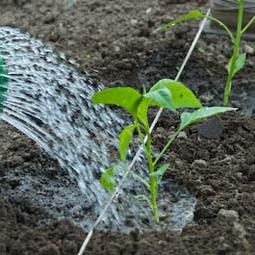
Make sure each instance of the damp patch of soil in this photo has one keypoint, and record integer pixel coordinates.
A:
(114, 42)
(219, 172)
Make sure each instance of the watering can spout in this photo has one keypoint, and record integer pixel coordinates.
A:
(3, 82)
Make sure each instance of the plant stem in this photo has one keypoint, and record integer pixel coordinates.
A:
(217, 21)
(152, 164)
(235, 52)
(153, 185)
(153, 180)
(248, 25)
(172, 138)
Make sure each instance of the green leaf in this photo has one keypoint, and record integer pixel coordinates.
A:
(124, 140)
(188, 118)
(142, 112)
(160, 172)
(107, 179)
(194, 14)
(161, 97)
(182, 96)
(239, 64)
(125, 97)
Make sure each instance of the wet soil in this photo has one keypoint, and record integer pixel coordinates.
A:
(114, 41)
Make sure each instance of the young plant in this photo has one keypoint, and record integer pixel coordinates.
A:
(167, 94)
(237, 60)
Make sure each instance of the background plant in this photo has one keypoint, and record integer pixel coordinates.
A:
(167, 94)
(237, 60)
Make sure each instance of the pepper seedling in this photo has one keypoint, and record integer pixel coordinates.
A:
(237, 60)
(167, 94)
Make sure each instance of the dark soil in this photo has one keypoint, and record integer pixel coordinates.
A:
(113, 40)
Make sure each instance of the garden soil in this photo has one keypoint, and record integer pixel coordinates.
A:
(115, 42)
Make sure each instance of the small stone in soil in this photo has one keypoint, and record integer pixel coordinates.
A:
(251, 174)
(230, 216)
(248, 49)
(183, 135)
(199, 163)
(211, 129)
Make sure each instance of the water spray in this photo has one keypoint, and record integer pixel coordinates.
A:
(48, 100)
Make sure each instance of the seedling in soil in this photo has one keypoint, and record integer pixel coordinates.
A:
(166, 94)
(237, 60)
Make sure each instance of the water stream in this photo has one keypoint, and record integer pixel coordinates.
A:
(49, 101)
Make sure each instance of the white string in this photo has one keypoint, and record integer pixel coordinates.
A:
(119, 187)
